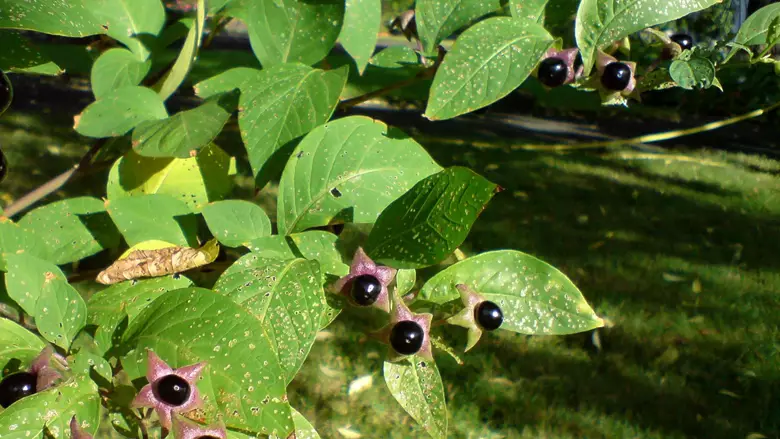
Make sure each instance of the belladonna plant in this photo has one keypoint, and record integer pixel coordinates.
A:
(477, 315)
(614, 75)
(186, 429)
(557, 67)
(169, 390)
(40, 376)
(408, 333)
(366, 284)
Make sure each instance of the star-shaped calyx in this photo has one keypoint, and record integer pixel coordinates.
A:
(366, 284)
(43, 373)
(169, 390)
(616, 76)
(557, 67)
(186, 429)
(477, 315)
(407, 333)
(76, 432)
(41, 367)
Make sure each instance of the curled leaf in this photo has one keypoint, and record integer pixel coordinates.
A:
(141, 261)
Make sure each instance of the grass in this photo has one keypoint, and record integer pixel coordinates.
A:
(678, 252)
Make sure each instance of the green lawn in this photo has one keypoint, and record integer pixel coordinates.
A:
(677, 251)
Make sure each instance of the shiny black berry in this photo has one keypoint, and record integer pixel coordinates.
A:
(15, 387)
(683, 40)
(365, 289)
(489, 315)
(616, 76)
(553, 72)
(172, 390)
(406, 337)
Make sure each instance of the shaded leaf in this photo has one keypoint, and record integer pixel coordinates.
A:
(755, 29)
(348, 170)
(154, 216)
(285, 103)
(487, 62)
(236, 222)
(416, 384)
(127, 20)
(119, 111)
(117, 68)
(17, 343)
(25, 278)
(601, 23)
(139, 263)
(19, 55)
(438, 19)
(72, 229)
(60, 312)
(243, 377)
(360, 29)
(534, 296)
(431, 220)
(692, 71)
(56, 17)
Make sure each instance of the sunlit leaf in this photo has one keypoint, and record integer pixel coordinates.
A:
(155, 216)
(60, 312)
(117, 68)
(17, 343)
(416, 385)
(236, 222)
(25, 278)
(360, 29)
(119, 111)
(56, 17)
(189, 53)
(438, 19)
(127, 21)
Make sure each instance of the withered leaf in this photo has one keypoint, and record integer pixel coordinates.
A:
(140, 261)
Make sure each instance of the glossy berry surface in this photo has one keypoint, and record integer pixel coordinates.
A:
(553, 72)
(684, 40)
(489, 315)
(406, 337)
(15, 387)
(172, 390)
(365, 289)
(616, 76)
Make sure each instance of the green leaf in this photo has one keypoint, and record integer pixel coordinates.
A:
(107, 308)
(405, 281)
(14, 239)
(303, 428)
(189, 53)
(83, 362)
(600, 23)
(236, 222)
(283, 31)
(755, 29)
(534, 296)
(237, 78)
(287, 102)
(60, 312)
(17, 343)
(186, 132)
(487, 62)
(438, 19)
(72, 229)
(195, 181)
(154, 216)
(348, 170)
(193, 324)
(416, 384)
(692, 71)
(431, 220)
(56, 17)
(360, 29)
(117, 68)
(19, 55)
(395, 57)
(52, 410)
(120, 110)
(288, 300)
(528, 9)
(126, 20)
(25, 278)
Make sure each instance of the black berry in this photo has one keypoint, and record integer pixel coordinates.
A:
(406, 337)
(489, 315)
(616, 76)
(365, 289)
(15, 387)
(553, 72)
(683, 40)
(172, 390)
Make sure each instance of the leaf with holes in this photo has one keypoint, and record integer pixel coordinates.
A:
(119, 111)
(287, 102)
(60, 312)
(117, 68)
(348, 170)
(487, 62)
(17, 344)
(236, 222)
(313, 244)
(600, 23)
(692, 71)
(195, 181)
(288, 300)
(14, 239)
(243, 379)
(25, 277)
(154, 216)
(431, 220)
(360, 29)
(185, 133)
(534, 296)
(56, 17)
(416, 384)
(286, 31)
(127, 21)
(19, 55)
(438, 19)
(72, 229)
(528, 9)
